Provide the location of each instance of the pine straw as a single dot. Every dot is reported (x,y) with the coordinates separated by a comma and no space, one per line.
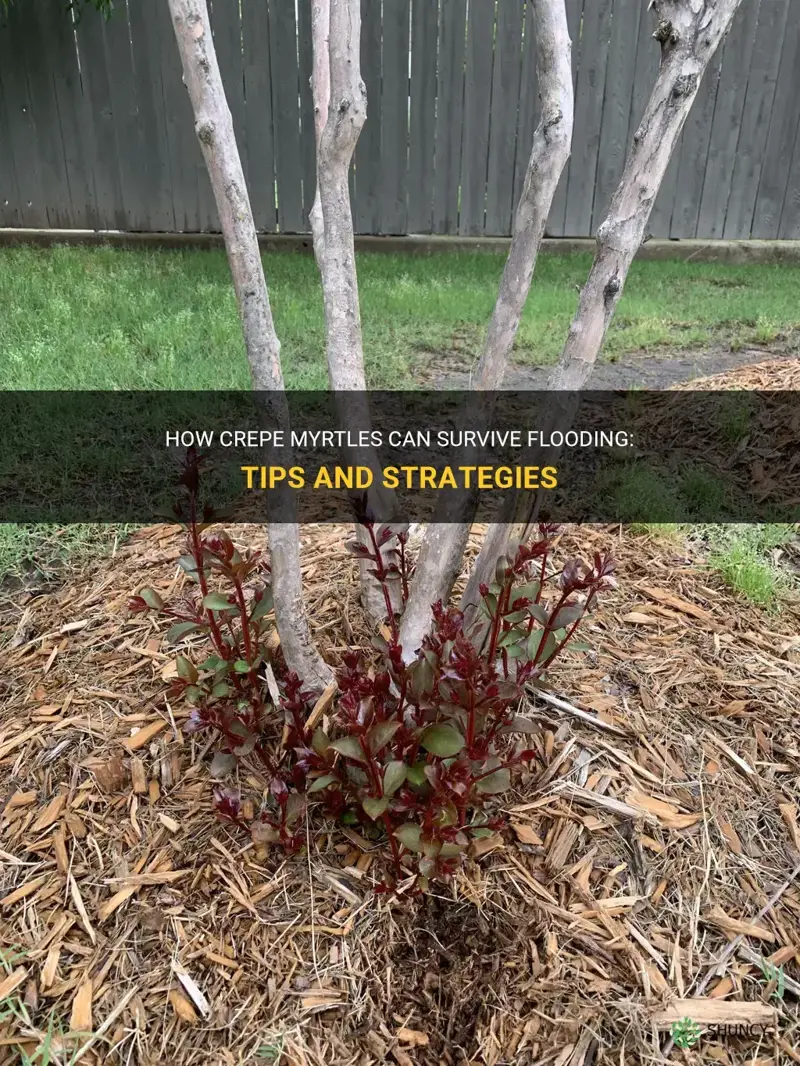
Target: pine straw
(656,823)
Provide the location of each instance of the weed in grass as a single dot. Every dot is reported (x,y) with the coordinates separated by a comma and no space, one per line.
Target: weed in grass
(740,555)
(638,495)
(733,416)
(774,978)
(41,551)
(703,493)
(746,573)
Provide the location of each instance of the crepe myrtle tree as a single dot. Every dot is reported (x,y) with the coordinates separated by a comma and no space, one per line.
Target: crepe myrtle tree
(689,33)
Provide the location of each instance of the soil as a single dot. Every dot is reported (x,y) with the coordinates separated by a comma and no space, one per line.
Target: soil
(635,370)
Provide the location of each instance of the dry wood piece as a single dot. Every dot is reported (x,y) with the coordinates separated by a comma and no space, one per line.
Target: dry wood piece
(738,928)
(143,736)
(708,1011)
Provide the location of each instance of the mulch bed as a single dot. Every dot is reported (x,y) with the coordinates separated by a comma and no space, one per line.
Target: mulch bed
(652,854)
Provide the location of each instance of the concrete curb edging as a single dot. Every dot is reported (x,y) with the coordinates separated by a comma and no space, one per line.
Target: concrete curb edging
(736,253)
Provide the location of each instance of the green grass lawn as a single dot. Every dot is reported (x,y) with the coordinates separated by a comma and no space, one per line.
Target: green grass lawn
(113,319)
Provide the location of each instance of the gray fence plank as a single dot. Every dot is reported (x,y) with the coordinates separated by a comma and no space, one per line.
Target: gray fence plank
(97,101)
(155,169)
(503,119)
(620,73)
(755,118)
(77,134)
(477,104)
(10,200)
(555,223)
(368,150)
(226,26)
(694,153)
(529,106)
(789,228)
(308,150)
(44,106)
(286,115)
(449,115)
(422,131)
(731,95)
(258,115)
(133,211)
(185,157)
(32,200)
(782,132)
(393,212)
(595,36)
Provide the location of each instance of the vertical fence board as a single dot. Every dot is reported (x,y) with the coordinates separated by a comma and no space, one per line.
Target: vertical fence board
(226,26)
(308,150)
(286,115)
(185,157)
(588,117)
(368,149)
(736,58)
(477,104)
(155,170)
(555,223)
(77,134)
(393,213)
(98,103)
(258,115)
(32,198)
(422,131)
(132,212)
(782,131)
(694,153)
(449,115)
(529,108)
(620,73)
(503,120)
(10,200)
(755,118)
(44,107)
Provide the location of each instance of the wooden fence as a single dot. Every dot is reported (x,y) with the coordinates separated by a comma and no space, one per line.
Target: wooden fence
(96,130)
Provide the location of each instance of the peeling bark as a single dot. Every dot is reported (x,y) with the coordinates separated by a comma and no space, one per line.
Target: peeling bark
(689,31)
(214,128)
(321,91)
(443,547)
(340,110)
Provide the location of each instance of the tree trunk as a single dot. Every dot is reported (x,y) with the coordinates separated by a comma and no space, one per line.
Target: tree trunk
(336,37)
(321,90)
(443,546)
(690,32)
(214,128)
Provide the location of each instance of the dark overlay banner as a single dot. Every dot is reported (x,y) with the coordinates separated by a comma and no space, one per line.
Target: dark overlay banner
(644,457)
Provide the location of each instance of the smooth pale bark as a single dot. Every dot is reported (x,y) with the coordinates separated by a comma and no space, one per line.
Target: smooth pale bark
(443,546)
(321,90)
(690,32)
(336,35)
(214,128)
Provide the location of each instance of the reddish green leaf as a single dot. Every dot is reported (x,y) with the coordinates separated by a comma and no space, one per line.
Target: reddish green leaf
(442,740)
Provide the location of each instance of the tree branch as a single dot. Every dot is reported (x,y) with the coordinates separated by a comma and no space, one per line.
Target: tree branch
(443,546)
(214,128)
